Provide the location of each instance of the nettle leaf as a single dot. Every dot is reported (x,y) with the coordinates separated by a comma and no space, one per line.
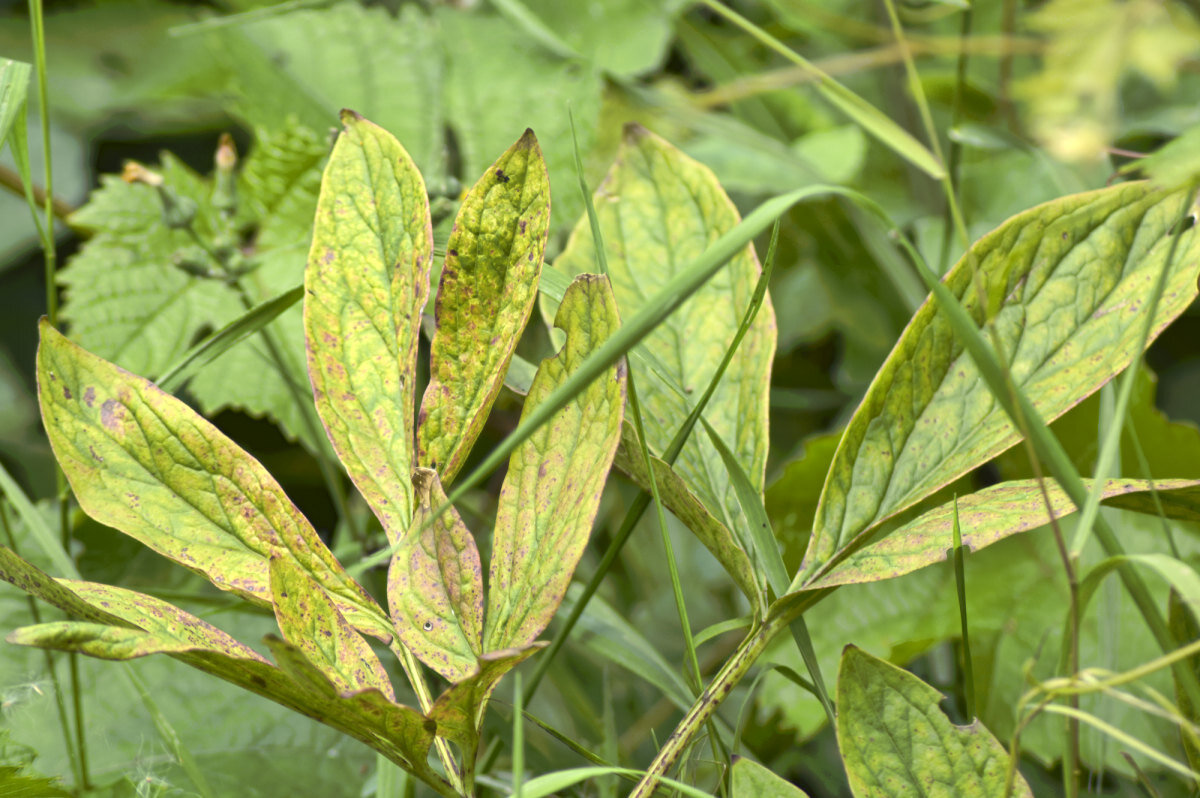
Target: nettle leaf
(310,621)
(751,780)
(1065,286)
(145,463)
(487,289)
(366,284)
(435,585)
(994,513)
(281,179)
(895,740)
(552,489)
(124,297)
(658,210)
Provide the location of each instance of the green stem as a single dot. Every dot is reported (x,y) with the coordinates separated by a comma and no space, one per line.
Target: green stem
(412,670)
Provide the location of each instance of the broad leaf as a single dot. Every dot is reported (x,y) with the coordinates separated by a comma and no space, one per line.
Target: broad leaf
(310,621)
(895,740)
(435,585)
(552,489)
(487,289)
(992,514)
(751,780)
(658,211)
(366,283)
(1064,286)
(145,463)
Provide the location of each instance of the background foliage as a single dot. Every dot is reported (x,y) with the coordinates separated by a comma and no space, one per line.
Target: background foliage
(1049,100)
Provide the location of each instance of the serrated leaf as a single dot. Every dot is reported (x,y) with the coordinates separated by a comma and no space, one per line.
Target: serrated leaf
(992,514)
(435,585)
(458,712)
(124,297)
(15,784)
(658,210)
(310,620)
(282,178)
(552,489)
(366,284)
(895,739)
(1065,285)
(143,462)
(752,780)
(487,289)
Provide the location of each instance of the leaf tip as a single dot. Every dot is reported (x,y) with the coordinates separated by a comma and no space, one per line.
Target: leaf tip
(350,117)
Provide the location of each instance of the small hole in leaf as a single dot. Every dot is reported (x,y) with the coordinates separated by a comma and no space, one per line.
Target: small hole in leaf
(428,626)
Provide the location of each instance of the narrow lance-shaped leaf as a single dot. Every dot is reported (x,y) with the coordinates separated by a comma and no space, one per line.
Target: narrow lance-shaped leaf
(366,284)
(487,289)
(552,489)
(145,463)
(896,740)
(992,514)
(435,585)
(1065,286)
(658,210)
(310,621)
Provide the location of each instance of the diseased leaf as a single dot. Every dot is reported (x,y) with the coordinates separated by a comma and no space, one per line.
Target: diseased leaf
(458,712)
(435,585)
(895,740)
(143,462)
(366,283)
(552,489)
(1065,286)
(658,210)
(992,514)
(752,780)
(310,621)
(487,289)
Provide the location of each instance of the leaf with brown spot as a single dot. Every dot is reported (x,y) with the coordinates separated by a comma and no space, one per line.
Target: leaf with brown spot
(310,621)
(365,287)
(145,463)
(552,489)
(435,585)
(487,289)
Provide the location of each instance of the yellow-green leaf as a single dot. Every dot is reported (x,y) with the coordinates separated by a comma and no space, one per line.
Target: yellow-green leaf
(658,210)
(487,288)
(145,463)
(365,287)
(1065,286)
(435,585)
(992,514)
(895,739)
(310,621)
(751,780)
(552,489)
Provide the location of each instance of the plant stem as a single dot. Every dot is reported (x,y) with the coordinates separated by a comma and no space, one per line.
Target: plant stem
(10,180)
(412,670)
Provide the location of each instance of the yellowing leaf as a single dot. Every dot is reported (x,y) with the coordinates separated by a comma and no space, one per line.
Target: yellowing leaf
(487,288)
(552,489)
(366,284)
(435,585)
(657,211)
(752,780)
(310,621)
(1065,286)
(895,740)
(145,463)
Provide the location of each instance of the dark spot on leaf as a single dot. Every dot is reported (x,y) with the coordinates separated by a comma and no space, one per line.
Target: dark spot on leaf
(112,414)
(522,225)
(89,395)
(66,392)
(452,253)
(97,457)
(1065,236)
(327,257)
(427,626)
(503,178)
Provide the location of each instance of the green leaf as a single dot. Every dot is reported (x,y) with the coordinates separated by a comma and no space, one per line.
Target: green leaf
(366,283)
(658,211)
(143,462)
(310,621)
(458,712)
(895,740)
(992,514)
(15,784)
(1185,626)
(124,297)
(14,85)
(281,179)
(487,289)
(1065,285)
(752,780)
(552,489)
(435,585)
(1175,163)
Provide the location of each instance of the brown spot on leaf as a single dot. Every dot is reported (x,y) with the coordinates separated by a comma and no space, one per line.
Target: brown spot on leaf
(112,413)
(503,178)
(452,253)
(522,226)
(66,392)
(328,257)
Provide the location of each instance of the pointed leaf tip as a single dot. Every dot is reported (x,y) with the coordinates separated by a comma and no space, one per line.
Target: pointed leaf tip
(349,116)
